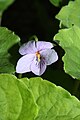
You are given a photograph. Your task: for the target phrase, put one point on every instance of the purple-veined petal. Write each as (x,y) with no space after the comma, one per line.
(28,48)
(24,63)
(41,45)
(49,55)
(38,68)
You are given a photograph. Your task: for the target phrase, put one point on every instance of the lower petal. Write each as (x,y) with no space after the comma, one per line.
(38,68)
(24,63)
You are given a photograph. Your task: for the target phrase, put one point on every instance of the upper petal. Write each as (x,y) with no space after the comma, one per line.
(38,68)
(28,48)
(41,45)
(24,63)
(49,55)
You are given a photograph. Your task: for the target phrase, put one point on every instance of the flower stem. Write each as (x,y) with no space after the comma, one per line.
(76,88)
(20,76)
(34,37)
(0,21)
(0,18)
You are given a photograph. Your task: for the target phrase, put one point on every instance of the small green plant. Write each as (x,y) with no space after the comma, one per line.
(34,98)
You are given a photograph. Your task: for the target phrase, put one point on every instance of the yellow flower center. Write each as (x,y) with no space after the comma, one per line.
(38,56)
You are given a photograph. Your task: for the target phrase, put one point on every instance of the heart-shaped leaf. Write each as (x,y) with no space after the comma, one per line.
(7,40)
(16,100)
(70,14)
(70,42)
(54,102)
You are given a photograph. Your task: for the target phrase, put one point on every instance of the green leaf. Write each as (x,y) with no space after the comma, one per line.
(7,40)
(16,100)
(10,98)
(54,102)
(56,2)
(70,42)
(70,14)
(4,4)
(29,107)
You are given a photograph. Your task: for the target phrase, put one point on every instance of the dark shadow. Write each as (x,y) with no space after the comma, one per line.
(13,51)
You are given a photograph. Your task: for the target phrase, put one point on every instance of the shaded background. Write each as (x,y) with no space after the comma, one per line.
(29,17)
(37,17)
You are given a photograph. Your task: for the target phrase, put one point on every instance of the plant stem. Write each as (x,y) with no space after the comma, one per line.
(20,76)
(0,18)
(0,21)
(34,37)
(76,88)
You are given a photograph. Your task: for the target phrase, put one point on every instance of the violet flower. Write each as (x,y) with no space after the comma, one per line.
(36,57)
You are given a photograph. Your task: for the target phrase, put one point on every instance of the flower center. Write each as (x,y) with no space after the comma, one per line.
(38,56)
